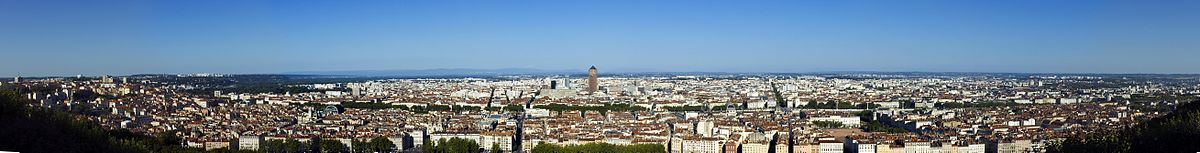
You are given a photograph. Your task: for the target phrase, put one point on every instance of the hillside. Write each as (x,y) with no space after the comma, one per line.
(1178,131)
(35,129)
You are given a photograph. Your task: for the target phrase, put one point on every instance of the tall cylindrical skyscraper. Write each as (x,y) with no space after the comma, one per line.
(593,84)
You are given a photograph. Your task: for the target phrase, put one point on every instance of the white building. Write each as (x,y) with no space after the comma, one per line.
(890,104)
(919,147)
(829,146)
(1068,100)
(854,146)
(701,145)
(755,142)
(503,139)
(559,93)
(704,128)
(216,145)
(848,121)
(756,147)
(538,112)
(1045,101)
(434,137)
(249,142)
(398,141)
(972,148)
(1016,146)
(924,104)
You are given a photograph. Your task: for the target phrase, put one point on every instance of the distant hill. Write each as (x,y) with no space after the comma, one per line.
(1178,131)
(439,72)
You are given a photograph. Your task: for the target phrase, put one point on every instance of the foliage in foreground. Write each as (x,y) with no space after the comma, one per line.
(36,129)
(452,145)
(1178,131)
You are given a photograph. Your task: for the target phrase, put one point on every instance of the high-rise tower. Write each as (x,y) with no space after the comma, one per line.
(593,84)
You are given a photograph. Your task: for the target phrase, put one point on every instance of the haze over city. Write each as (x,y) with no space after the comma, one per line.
(66,38)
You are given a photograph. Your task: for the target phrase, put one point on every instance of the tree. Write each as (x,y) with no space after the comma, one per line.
(34,129)
(827,124)
(496,148)
(285,146)
(359,146)
(381,144)
(599,147)
(876,126)
(866,116)
(1174,132)
(455,145)
(293,145)
(547,148)
(779,100)
(441,145)
(427,145)
(459,145)
(514,108)
(271,146)
(332,146)
(377,144)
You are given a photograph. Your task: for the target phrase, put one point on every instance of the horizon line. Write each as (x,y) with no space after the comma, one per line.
(585,72)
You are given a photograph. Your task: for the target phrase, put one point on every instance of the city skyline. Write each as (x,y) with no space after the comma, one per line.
(767,113)
(623,76)
(541,72)
(120,38)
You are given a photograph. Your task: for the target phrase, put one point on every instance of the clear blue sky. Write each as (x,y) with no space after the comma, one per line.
(91,37)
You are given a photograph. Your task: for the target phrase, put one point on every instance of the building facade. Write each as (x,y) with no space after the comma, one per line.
(593,82)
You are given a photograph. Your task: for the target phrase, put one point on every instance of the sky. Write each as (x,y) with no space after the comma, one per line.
(118,37)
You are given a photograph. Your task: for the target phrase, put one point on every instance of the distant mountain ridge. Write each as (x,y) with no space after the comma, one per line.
(438,72)
(530,71)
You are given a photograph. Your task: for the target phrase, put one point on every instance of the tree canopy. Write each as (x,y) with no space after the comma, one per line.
(36,129)
(598,148)
(601,109)
(1175,132)
(377,144)
(828,124)
(452,145)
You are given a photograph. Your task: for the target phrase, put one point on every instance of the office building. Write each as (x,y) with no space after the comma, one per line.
(593,83)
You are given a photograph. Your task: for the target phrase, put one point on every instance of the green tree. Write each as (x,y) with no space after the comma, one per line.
(1174,132)
(459,145)
(333,146)
(779,100)
(827,124)
(876,126)
(381,144)
(360,146)
(293,145)
(496,148)
(514,108)
(598,148)
(455,145)
(27,128)
(377,144)
(427,145)
(547,148)
(284,146)
(271,146)
(441,145)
